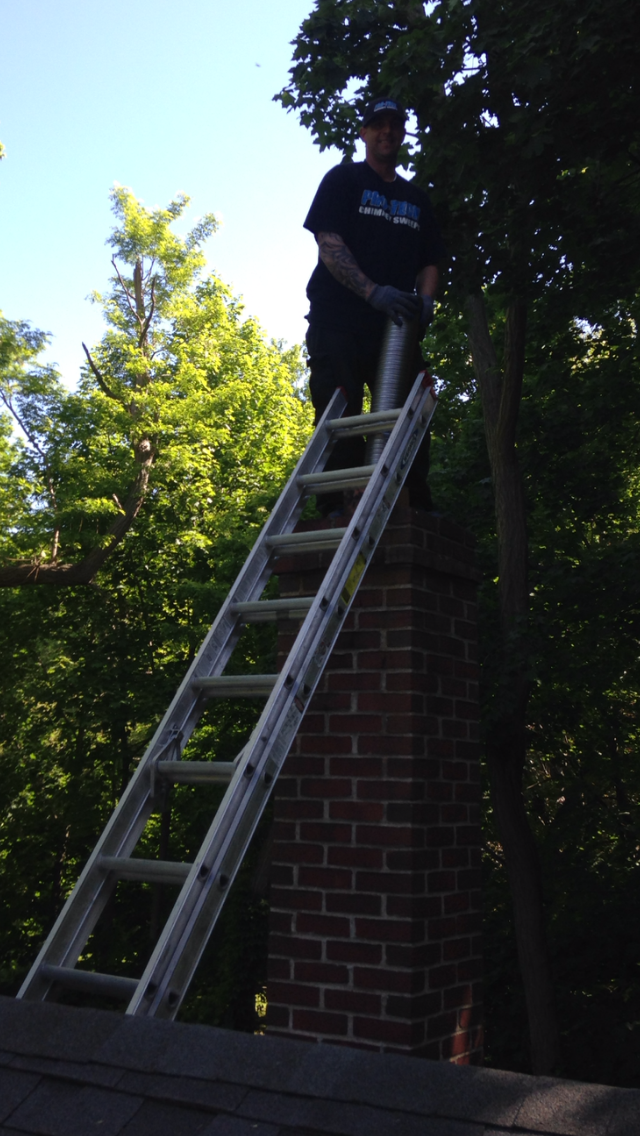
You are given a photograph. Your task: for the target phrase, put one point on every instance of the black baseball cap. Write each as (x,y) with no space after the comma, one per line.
(383,106)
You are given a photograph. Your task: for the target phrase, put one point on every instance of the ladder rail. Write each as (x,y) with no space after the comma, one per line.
(90,895)
(184,938)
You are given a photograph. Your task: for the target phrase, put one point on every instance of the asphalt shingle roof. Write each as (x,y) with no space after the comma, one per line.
(72,1072)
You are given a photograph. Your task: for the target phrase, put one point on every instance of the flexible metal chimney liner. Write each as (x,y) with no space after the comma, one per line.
(391,385)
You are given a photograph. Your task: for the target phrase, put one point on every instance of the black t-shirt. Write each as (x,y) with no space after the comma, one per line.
(388,226)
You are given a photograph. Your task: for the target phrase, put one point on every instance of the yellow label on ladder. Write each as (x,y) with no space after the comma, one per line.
(353,579)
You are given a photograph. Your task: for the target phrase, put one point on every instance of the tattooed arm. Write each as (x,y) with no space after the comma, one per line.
(343,265)
(427,281)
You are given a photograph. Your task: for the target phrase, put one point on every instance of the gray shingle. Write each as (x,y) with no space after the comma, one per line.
(626,1116)
(14,1088)
(141,1043)
(60,1109)
(46,1030)
(209,1094)
(156,1119)
(568,1108)
(344,1119)
(428,1087)
(90,1073)
(240,1058)
(204,1052)
(235,1126)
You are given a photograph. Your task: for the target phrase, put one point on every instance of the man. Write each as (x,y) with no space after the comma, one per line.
(378,241)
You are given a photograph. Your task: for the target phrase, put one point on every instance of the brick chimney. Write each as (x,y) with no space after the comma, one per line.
(375,904)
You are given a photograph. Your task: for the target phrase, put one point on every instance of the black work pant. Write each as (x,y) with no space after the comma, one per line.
(350,360)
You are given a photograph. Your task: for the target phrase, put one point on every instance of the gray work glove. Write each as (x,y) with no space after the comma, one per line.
(394,303)
(426,315)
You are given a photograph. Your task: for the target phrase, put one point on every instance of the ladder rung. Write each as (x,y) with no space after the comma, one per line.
(267,611)
(375,423)
(356,478)
(197,772)
(237,686)
(317,541)
(151,871)
(91,982)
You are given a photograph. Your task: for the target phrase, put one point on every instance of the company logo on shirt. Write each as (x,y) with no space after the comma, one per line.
(398,212)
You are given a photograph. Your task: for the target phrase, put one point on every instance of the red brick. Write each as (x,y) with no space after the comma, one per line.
(281,874)
(381,744)
(401,1006)
(326,743)
(303,766)
(356,811)
(299,810)
(331,878)
(297,853)
(442,1025)
(388,790)
(393,1033)
(342,950)
(456,997)
(326,788)
(320,1022)
(294,899)
(413,907)
(441,976)
(388,930)
(349,903)
(457,902)
(357,766)
(354,723)
(311,924)
(353,1002)
(379,978)
(321,972)
(279,968)
(397,883)
(278,1016)
(327,833)
(352,857)
(293,994)
(383,835)
(364,680)
(294,947)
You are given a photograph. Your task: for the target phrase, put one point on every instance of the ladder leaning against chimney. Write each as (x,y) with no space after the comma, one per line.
(204,884)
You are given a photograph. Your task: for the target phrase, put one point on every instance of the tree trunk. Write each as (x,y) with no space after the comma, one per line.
(500,393)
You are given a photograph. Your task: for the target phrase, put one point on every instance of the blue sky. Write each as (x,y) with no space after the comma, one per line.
(162,97)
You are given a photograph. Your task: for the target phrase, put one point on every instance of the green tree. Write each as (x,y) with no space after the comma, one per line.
(536,184)
(213,413)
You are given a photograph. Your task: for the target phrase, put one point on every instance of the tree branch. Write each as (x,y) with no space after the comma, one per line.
(124,287)
(35,572)
(101,382)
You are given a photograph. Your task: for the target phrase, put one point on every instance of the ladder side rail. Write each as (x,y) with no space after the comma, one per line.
(88,898)
(179,948)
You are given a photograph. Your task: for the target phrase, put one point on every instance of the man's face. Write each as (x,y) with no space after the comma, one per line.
(383,137)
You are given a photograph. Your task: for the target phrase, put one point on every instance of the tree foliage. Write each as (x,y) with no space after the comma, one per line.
(87,669)
(526,136)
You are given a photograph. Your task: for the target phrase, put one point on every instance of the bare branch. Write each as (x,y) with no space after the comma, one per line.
(101,382)
(147,322)
(124,287)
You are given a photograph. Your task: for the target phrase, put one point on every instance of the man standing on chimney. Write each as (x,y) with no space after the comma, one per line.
(379,247)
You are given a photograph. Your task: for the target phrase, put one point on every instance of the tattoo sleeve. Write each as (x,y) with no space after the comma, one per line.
(342,264)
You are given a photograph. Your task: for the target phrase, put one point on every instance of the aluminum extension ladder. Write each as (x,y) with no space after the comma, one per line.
(205,883)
